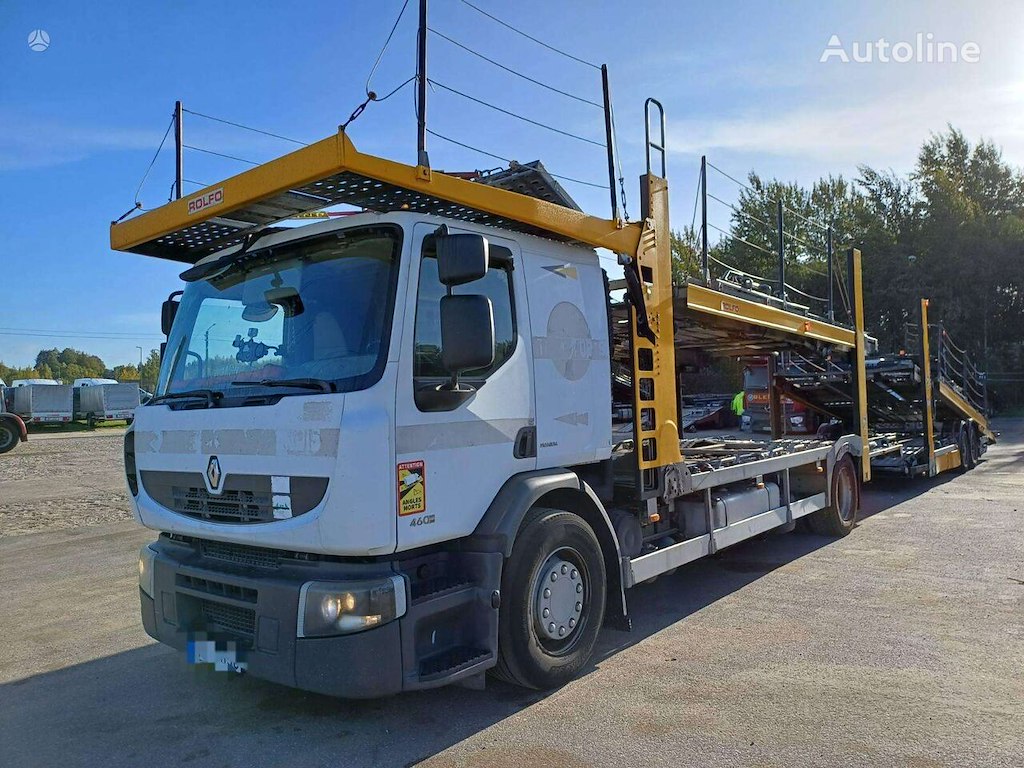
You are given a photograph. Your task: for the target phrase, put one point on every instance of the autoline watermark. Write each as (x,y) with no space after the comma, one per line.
(923,49)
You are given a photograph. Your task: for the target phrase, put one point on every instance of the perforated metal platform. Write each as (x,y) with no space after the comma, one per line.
(333,172)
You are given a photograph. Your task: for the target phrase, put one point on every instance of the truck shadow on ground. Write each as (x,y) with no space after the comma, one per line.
(146,706)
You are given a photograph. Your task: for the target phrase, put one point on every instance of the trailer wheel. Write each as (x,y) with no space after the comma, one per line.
(839,518)
(973,448)
(9,436)
(552,600)
(963,444)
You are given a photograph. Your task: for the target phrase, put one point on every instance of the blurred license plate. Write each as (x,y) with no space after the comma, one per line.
(224,656)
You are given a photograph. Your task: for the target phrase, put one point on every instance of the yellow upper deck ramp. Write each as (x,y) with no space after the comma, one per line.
(332,172)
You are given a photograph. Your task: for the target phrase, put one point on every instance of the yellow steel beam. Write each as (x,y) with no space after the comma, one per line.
(960,403)
(860,369)
(726,305)
(336,154)
(926,374)
(655,389)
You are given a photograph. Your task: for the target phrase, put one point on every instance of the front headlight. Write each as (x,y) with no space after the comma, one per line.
(343,607)
(146,557)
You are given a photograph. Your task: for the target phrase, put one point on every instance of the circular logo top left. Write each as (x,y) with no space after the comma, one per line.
(38,40)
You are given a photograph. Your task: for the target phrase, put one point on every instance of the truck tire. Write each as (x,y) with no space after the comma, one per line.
(963,444)
(839,518)
(552,600)
(973,448)
(9,435)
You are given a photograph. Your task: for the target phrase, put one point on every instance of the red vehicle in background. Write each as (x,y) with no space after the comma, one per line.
(797,418)
(12,428)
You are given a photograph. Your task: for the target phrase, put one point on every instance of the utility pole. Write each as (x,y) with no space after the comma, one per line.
(207,335)
(422,158)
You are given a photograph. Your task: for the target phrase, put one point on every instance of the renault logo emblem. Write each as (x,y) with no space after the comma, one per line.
(213,473)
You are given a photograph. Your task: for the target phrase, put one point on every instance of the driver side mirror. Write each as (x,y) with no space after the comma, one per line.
(461,258)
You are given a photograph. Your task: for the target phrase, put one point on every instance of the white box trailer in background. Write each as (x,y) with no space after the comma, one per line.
(42,403)
(106,402)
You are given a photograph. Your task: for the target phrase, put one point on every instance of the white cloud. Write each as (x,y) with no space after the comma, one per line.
(885,131)
(28,141)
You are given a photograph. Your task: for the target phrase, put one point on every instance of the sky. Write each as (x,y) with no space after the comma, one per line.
(741,82)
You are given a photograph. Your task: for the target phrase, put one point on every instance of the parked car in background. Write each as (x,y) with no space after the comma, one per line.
(92,382)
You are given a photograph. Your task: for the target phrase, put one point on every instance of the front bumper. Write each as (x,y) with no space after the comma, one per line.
(444,636)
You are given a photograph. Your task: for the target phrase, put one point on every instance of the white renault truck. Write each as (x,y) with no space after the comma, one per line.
(380,454)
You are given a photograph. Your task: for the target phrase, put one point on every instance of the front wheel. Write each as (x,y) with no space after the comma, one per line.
(553,598)
(839,518)
(9,435)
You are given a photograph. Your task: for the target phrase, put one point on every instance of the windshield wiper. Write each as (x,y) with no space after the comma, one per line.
(211,396)
(320,384)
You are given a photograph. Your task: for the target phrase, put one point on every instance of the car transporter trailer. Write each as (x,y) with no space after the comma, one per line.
(398,534)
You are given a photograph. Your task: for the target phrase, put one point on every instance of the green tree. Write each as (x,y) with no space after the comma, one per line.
(69,364)
(685,247)
(126,373)
(10,373)
(150,371)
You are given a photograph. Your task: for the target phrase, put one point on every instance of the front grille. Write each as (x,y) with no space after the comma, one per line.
(239,554)
(244,499)
(229,506)
(197,584)
(240,621)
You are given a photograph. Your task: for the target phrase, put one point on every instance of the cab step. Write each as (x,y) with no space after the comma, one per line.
(452,661)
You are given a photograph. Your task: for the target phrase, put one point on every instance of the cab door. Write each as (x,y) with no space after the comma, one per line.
(453,457)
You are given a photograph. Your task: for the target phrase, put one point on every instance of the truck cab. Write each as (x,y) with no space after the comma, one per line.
(304,405)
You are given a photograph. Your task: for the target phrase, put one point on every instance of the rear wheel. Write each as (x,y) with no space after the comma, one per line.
(974,445)
(552,600)
(963,444)
(839,518)
(9,435)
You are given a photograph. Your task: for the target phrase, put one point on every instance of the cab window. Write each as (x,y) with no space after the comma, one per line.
(496,285)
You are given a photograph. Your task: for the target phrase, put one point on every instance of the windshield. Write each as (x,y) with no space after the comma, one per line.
(319,309)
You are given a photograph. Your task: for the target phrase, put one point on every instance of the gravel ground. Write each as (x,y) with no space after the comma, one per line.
(53,482)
